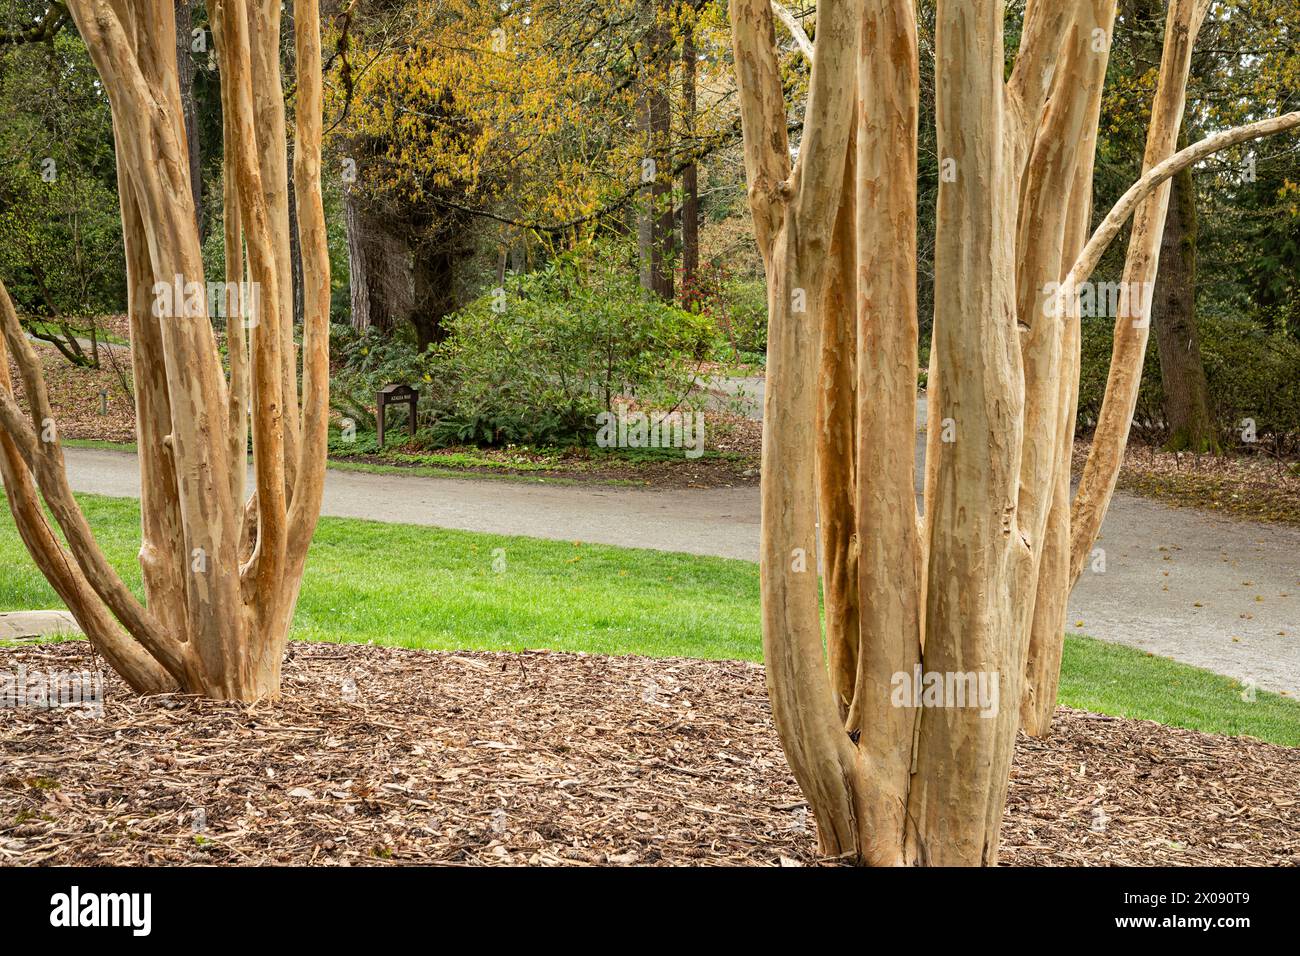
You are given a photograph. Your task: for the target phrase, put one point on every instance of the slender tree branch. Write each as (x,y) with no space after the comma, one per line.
(791,23)
(43,31)
(1120,212)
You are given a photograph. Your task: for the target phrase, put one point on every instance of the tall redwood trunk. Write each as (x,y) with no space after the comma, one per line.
(690,174)
(1173,317)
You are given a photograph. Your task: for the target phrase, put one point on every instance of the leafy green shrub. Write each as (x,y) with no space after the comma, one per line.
(746,304)
(61,254)
(1097,337)
(372,360)
(535,362)
(1252,374)
(737,307)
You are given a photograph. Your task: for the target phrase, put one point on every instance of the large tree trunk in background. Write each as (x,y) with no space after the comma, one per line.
(379,266)
(662,247)
(690,175)
(219,598)
(185,76)
(1173,316)
(645,230)
(434,267)
(362,316)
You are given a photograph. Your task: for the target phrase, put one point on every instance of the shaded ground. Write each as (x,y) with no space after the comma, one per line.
(1257,486)
(731,458)
(390,756)
(75,395)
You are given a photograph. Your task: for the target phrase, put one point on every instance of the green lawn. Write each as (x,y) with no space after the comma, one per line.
(427,587)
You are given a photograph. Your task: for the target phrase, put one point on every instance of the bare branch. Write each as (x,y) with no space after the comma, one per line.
(791,23)
(1150,180)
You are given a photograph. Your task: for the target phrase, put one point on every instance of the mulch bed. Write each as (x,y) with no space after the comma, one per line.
(389,756)
(75,395)
(1254,486)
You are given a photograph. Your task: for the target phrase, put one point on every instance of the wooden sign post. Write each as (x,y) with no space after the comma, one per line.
(395,395)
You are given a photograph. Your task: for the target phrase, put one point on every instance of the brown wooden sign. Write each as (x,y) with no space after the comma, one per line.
(395,394)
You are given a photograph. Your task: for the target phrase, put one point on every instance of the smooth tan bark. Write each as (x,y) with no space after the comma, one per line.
(1072,536)
(1050,234)
(272,165)
(221,574)
(1124,378)
(794,220)
(975,546)
(888,530)
(836,446)
(977,590)
(126,656)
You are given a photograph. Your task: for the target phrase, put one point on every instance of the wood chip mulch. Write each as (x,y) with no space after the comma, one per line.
(75,395)
(391,756)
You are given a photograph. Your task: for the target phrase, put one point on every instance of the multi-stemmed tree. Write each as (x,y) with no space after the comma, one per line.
(221,567)
(971,588)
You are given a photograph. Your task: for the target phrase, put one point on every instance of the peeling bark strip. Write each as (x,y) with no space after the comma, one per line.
(221,574)
(979,587)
